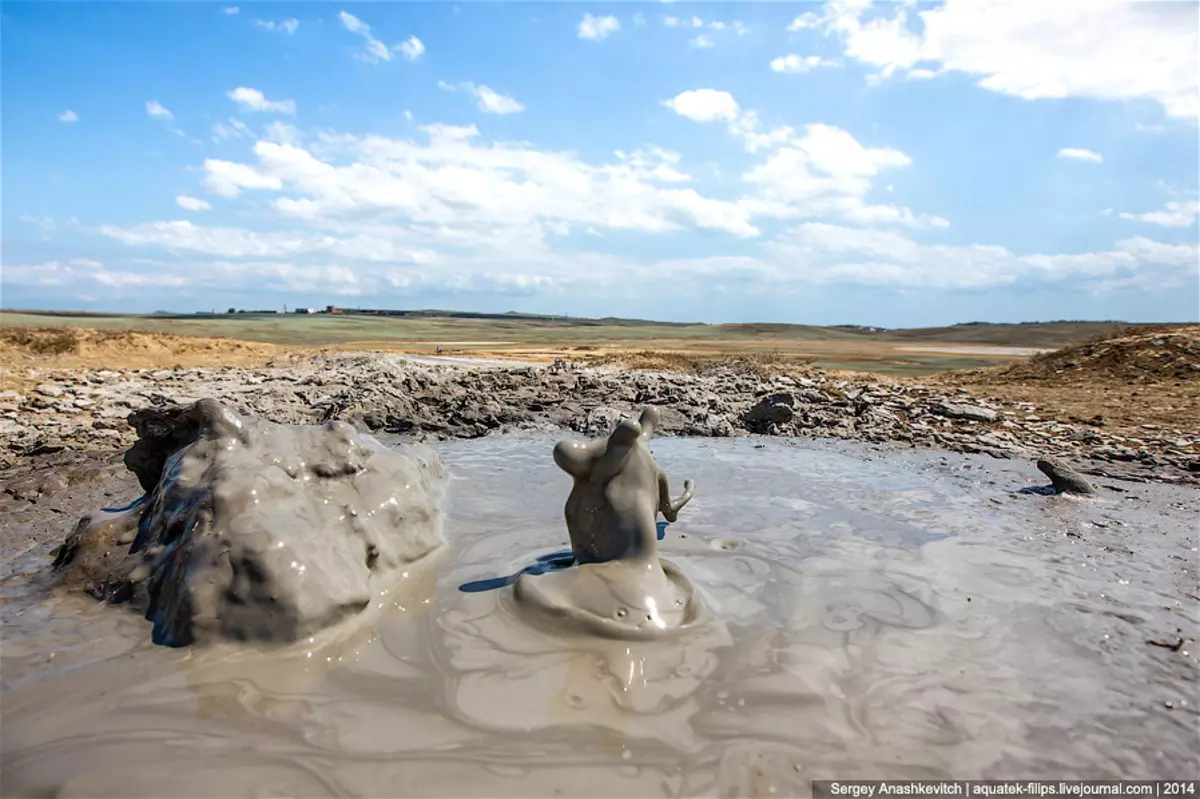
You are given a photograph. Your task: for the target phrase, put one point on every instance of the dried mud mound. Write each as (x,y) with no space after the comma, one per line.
(256,531)
(123,348)
(1164,356)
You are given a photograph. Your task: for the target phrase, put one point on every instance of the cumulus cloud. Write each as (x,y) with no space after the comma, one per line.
(839,254)
(230,10)
(823,172)
(192,203)
(68,116)
(596,28)
(704,105)
(1120,51)
(797,63)
(155,109)
(701,42)
(451,180)
(1080,154)
(253,100)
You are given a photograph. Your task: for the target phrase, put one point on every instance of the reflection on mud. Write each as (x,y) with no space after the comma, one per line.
(880,616)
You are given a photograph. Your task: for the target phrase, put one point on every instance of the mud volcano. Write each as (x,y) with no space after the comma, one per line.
(255,531)
(620,587)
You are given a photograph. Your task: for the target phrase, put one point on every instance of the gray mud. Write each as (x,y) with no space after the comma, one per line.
(255,531)
(887,613)
(86,410)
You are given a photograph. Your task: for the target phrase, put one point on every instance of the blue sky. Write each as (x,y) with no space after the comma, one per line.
(897,164)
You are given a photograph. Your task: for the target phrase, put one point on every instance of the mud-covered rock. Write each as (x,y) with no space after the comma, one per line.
(256,530)
(383,393)
(1064,479)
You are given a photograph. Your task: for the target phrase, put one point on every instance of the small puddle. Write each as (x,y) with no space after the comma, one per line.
(901,614)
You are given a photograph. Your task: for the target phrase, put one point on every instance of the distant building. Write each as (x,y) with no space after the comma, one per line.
(306,310)
(332,309)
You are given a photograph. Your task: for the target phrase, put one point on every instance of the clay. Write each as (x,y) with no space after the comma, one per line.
(621,588)
(385,394)
(1064,479)
(256,531)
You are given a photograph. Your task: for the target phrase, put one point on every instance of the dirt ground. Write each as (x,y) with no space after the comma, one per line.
(1124,383)
(26,349)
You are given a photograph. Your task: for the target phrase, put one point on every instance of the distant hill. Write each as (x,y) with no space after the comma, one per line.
(1025,334)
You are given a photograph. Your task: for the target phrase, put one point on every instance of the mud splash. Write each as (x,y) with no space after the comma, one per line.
(886,614)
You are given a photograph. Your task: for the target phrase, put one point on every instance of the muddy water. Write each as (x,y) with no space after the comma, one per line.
(884,614)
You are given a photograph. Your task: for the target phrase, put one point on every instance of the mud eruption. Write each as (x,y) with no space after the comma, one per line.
(621,589)
(256,531)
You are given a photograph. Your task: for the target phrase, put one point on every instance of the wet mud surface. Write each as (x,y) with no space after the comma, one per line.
(886,613)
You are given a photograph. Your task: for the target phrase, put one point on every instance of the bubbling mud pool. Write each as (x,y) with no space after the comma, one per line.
(883,614)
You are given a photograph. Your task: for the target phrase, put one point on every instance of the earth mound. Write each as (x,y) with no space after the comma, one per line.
(1159,356)
(125,349)
(256,531)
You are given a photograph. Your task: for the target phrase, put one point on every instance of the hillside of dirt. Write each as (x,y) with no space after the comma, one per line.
(1141,380)
(23,348)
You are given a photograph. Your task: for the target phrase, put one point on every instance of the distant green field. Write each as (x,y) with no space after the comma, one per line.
(898,352)
(319,330)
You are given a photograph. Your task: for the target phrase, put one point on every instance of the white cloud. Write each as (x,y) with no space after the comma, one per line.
(825,172)
(1071,48)
(835,254)
(68,116)
(740,28)
(183,236)
(704,105)
(1080,154)
(282,133)
(253,100)
(373,50)
(44,223)
(453,182)
(227,178)
(639,18)
(492,102)
(671,22)
(796,63)
(654,163)
(487,99)
(78,273)
(230,10)
(701,42)
(597,28)
(192,203)
(235,129)
(808,19)
(411,48)
(155,109)
(288,26)
(1174,214)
